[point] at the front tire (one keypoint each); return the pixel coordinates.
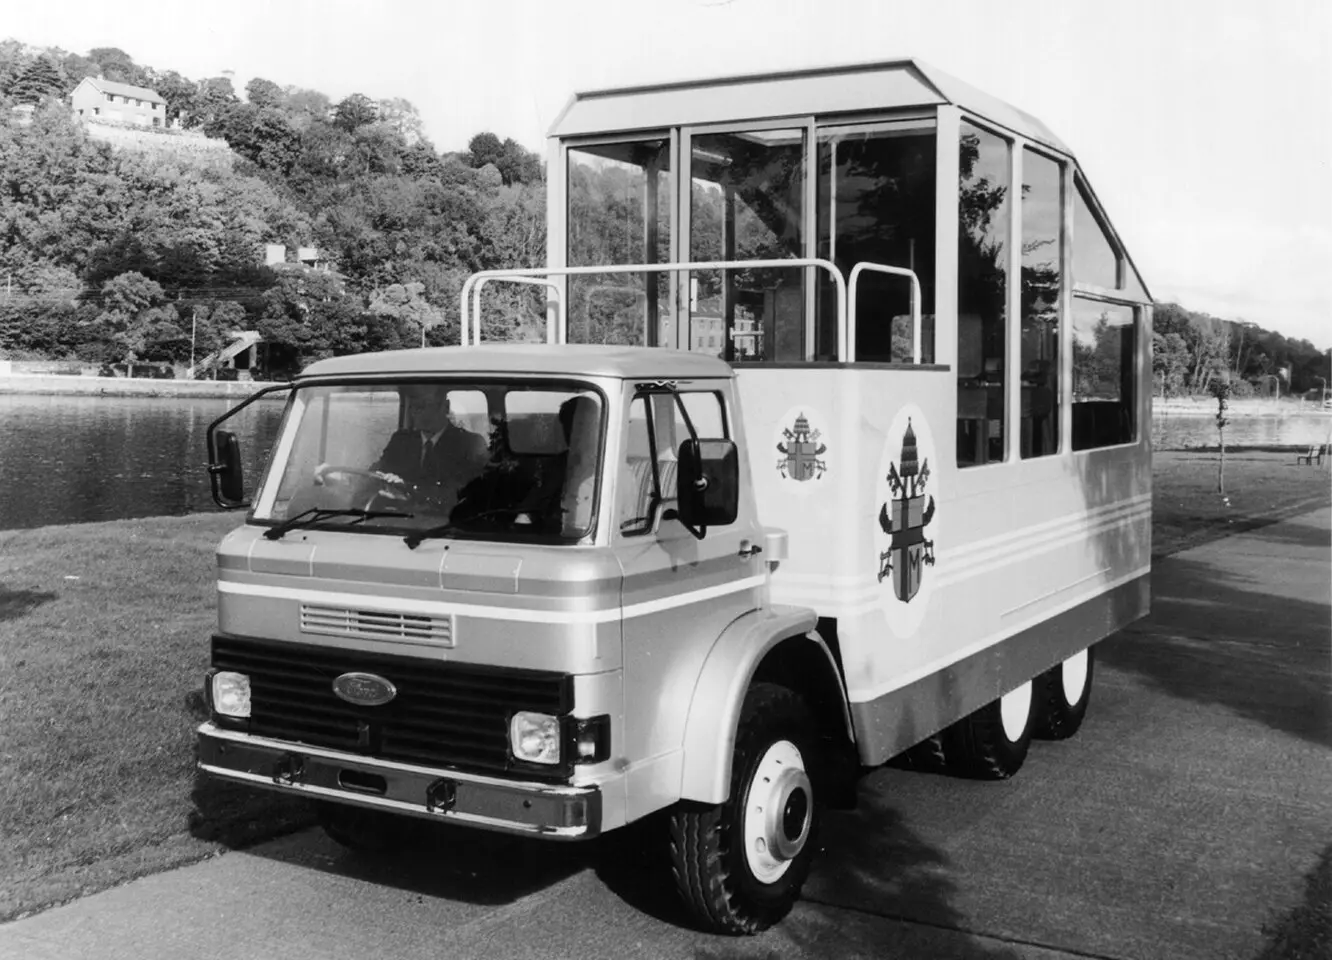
(992, 742)
(1064, 690)
(740, 865)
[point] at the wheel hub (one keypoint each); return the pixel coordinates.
(778, 812)
(1074, 677)
(1014, 711)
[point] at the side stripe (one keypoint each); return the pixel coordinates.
(363, 601)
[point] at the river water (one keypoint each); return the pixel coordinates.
(70, 459)
(67, 459)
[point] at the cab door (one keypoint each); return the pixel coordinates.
(679, 592)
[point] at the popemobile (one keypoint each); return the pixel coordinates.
(829, 445)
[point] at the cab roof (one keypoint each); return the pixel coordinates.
(821, 91)
(540, 359)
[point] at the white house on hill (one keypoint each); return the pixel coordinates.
(97, 99)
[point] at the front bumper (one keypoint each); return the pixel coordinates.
(536, 809)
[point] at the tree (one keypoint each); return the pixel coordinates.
(402, 116)
(117, 65)
(39, 81)
(178, 92)
(1220, 388)
(405, 303)
(354, 111)
(263, 93)
(484, 148)
(134, 317)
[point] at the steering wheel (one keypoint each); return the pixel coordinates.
(388, 486)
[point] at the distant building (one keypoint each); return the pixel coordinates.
(275, 255)
(98, 99)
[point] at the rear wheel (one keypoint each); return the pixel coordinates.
(1063, 692)
(992, 742)
(740, 865)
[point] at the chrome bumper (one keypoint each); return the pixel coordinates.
(538, 809)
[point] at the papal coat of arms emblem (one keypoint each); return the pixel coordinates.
(904, 518)
(801, 451)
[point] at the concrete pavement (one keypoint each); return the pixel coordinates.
(1180, 823)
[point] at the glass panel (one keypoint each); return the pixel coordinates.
(876, 204)
(1042, 288)
(619, 212)
(1105, 374)
(492, 460)
(1094, 258)
(640, 491)
(982, 295)
(747, 203)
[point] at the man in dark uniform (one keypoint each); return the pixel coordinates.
(432, 456)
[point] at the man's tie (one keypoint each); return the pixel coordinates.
(427, 448)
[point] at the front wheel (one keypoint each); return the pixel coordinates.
(740, 865)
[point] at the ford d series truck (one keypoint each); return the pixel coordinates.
(568, 630)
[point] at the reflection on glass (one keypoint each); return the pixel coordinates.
(982, 295)
(876, 205)
(1042, 286)
(746, 203)
(1094, 259)
(619, 212)
(1105, 374)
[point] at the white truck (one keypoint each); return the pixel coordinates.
(788, 532)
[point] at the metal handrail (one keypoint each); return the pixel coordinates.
(485, 275)
(915, 302)
(482, 280)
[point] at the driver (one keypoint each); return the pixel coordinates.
(432, 454)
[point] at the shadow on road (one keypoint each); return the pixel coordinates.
(1214, 637)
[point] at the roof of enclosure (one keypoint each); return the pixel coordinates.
(890, 85)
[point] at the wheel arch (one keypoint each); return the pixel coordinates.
(779, 646)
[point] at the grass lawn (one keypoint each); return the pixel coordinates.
(1261, 487)
(104, 642)
(103, 646)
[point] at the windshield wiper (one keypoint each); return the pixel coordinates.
(413, 540)
(315, 514)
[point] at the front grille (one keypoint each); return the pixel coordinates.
(400, 628)
(444, 715)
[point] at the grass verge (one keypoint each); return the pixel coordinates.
(103, 647)
(1262, 487)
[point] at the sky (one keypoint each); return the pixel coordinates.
(1204, 126)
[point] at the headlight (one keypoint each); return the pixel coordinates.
(535, 737)
(231, 694)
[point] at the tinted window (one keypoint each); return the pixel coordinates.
(1042, 290)
(982, 295)
(1105, 374)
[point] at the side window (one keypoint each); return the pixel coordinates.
(983, 261)
(656, 429)
(1105, 374)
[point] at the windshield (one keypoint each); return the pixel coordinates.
(483, 458)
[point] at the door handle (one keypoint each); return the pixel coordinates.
(748, 549)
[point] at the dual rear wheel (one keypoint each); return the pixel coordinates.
(992, 742)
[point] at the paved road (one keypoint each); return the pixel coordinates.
(1180, 823)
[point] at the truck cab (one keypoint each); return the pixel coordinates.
(556, 641)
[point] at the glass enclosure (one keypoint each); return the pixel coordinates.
(747, 202)
(488, 459)
(876, 203)
(983, 257)
(1042, 298)
(619, 213)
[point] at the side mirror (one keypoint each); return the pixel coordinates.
(708, 487)
(225, 471)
